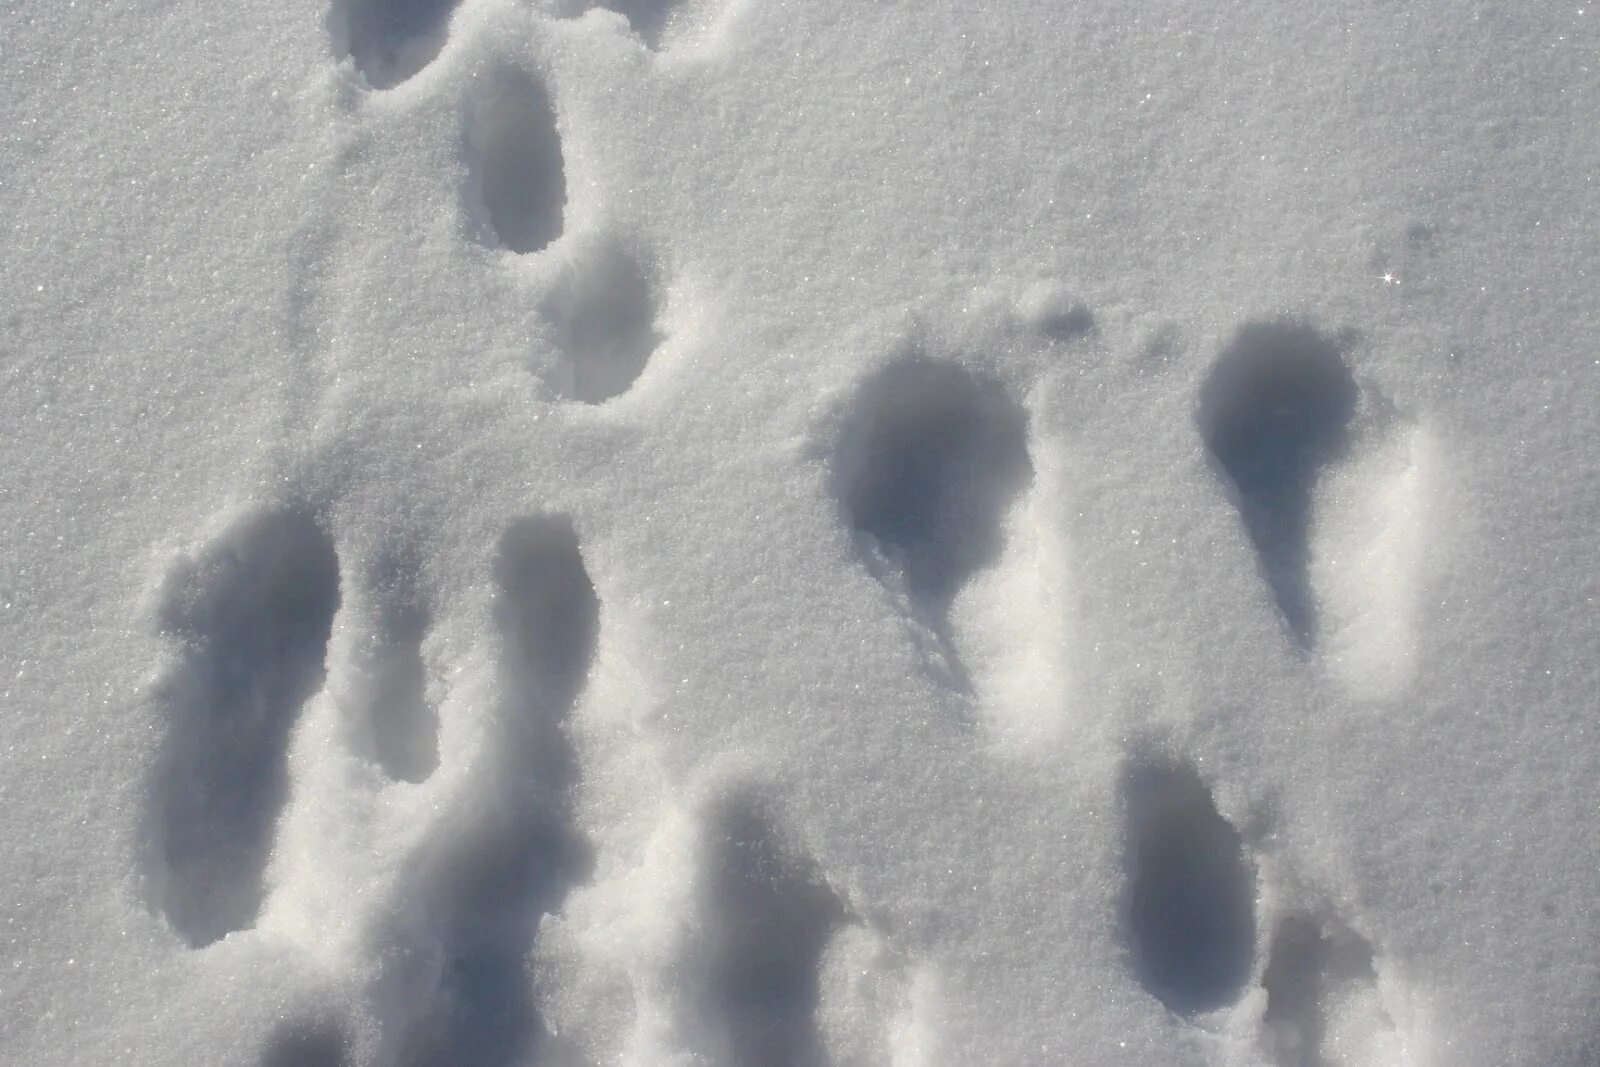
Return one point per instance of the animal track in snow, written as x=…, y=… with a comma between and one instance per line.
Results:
x=1322, y=1002
x=1274, y=413
x=927, y=465
x=769, y=919
x=513, y=854
x=516, y=176
x=1190, y=903
x=390, y=40
x=390, y=717
x=603, y=311
x=251, y=617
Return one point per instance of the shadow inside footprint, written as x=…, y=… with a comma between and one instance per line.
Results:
x=928, y=464
x=602, y=312
x=252, y=616
x=516, y=172
x=1191, y=895
x=513, y=854
x=1274, y=412
x=771, y=918
x=390, y=40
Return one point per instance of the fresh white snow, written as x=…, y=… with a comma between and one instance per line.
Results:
x=800, y=532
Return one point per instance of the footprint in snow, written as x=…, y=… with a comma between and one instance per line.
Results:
x=516, y=176
x=390, y=41
x=1190, y=901
x=602, y=301
x=1196, y=941
x=1332, y=486
x=928, y=462
x=602, y=308
x=930, y=459
x=249, y=618
x=1275, y=414
x=602, y=298
x=511, y=853
x=755, y=969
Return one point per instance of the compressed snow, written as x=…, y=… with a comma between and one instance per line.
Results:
x=740, y=532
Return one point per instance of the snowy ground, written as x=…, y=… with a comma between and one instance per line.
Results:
x=782, y=533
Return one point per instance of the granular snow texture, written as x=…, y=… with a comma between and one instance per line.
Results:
x=780, y=533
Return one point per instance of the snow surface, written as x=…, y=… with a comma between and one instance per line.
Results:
x=746, y=532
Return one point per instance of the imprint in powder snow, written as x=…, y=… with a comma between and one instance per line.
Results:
x=1191, y=894
x=391, y=717
x=928, y=464
x=251, y=617
x=509, y=854
x=770, y=917
x=1274, y=413
x=603, y=314
x=517, y=179
x=390, y=40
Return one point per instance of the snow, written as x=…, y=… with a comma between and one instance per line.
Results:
x=745, y=532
